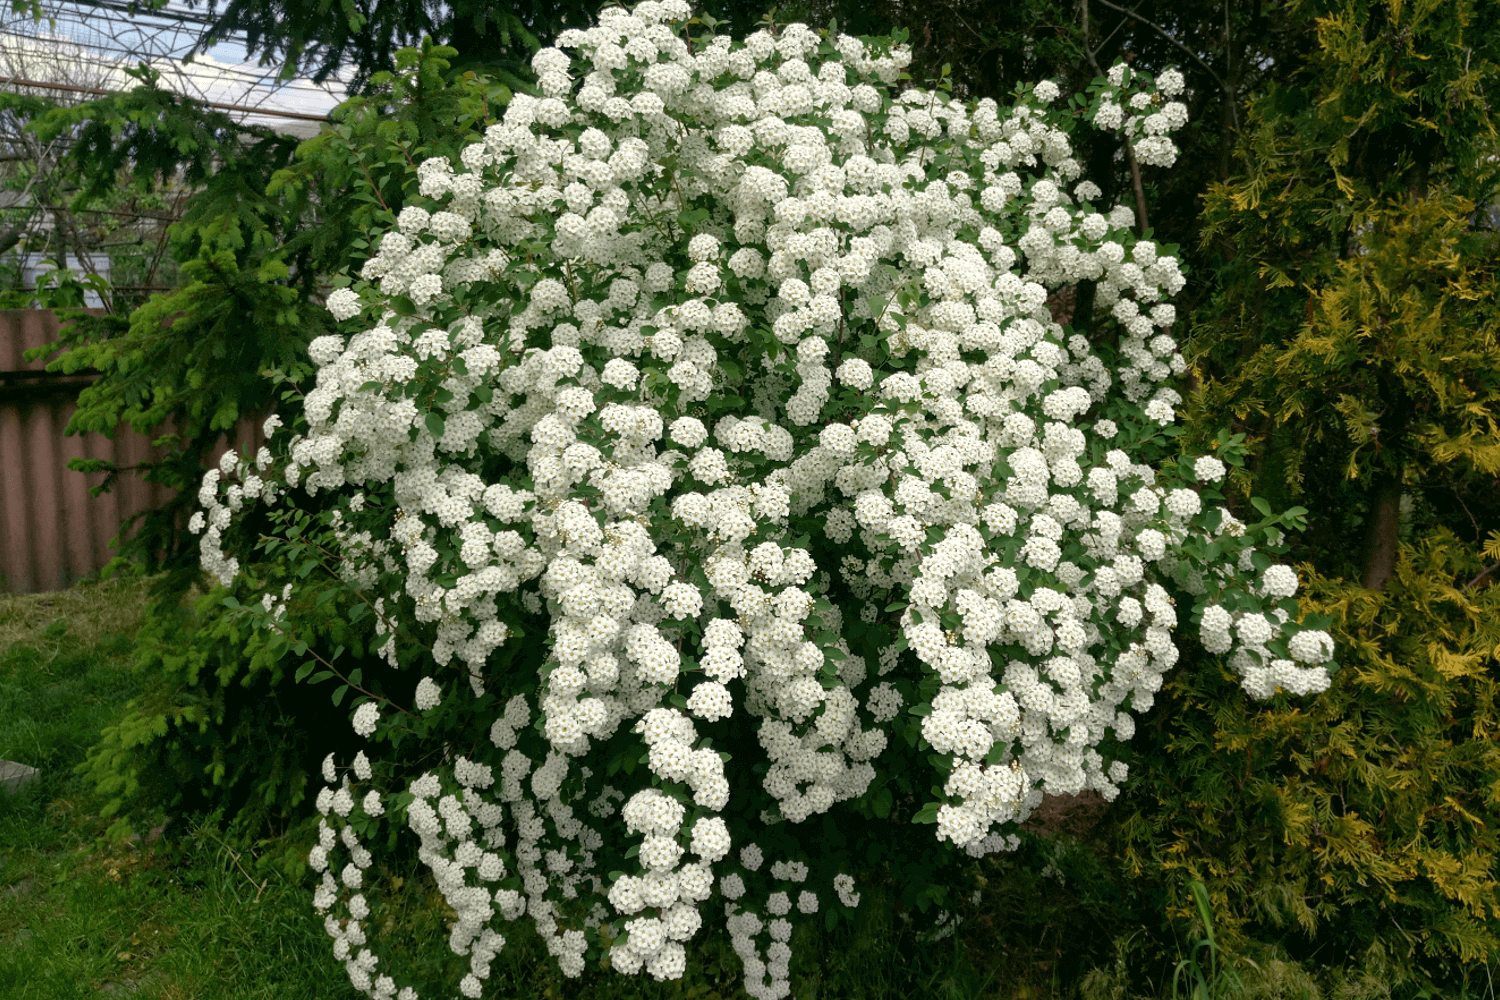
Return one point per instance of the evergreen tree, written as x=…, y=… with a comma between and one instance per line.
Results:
x=1355, y=328
x=360, y=38
x=1350, y=331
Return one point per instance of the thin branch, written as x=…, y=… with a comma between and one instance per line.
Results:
x=838, y=351
x=328, y=665
x=1086, y=50
x=259, y=887
x=100, y=91
x=953, y=8
x=1228, y=91
x=1478, y=579
x=1140, y=191
x=1135, y=168
x=1112, y=34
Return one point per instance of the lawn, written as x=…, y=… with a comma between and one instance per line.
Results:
x=172, y=917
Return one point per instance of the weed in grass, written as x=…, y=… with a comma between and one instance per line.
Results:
x=1204, y=974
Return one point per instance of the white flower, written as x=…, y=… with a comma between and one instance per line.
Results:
x=710, y=838
x=681, y=600
x=343, y=303
x=412, y=220
x=1170, y=82
x=620, y=373
x=1279, y=581
x=1253, y=630
x=855, y=373
x=1183, y=503
x=688, y=432
x=428, y=694
x=1208, y=469
x=1311, y=646
x=844, y=886
x=366, y=717
x=710, y=701
x=1160, y=411
x=703, y=247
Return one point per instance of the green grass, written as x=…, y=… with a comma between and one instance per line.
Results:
x=180, y=913
x=79, y=917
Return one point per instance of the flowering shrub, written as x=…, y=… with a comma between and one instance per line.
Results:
x=727, y=367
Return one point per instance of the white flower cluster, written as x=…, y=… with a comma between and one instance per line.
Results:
x=778, y=291
x=654, y=942
x=1143, y=109
x=844, y=885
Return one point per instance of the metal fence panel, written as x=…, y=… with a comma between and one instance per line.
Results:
x=52, y=532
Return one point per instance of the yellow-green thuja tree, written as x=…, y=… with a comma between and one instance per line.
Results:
x=1352, y=338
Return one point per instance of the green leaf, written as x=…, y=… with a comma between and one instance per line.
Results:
x=1260, y=504
x=338, y=694
x=927, y=814
x=435, y=424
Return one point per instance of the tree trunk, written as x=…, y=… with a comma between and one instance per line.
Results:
x=1227, y=136
x=1382, y=529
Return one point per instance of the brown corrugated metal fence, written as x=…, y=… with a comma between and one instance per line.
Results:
x=52, y=532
